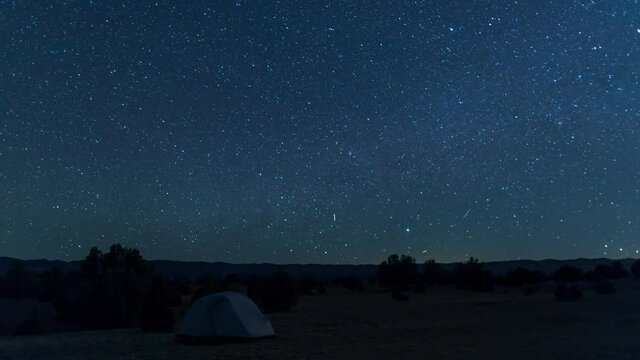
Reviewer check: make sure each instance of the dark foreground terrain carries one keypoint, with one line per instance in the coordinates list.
(443, 323)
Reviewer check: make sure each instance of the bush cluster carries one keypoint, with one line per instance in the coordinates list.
(111, 290)
(274, 293)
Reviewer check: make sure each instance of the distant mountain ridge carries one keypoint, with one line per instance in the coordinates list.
(193, 270)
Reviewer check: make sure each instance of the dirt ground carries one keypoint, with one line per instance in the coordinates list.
(444, 323)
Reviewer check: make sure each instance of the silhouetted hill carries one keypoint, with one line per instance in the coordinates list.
(194, 270)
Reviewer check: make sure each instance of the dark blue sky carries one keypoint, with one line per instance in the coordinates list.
(338, 132)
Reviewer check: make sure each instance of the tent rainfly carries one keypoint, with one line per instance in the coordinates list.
(227, 315)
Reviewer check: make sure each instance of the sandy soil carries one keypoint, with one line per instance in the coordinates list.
(445, 323)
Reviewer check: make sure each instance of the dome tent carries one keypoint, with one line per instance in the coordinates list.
(226, 315)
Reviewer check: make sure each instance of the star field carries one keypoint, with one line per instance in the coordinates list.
(336, 132)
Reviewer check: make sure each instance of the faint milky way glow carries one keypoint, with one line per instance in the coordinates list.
(339, 132)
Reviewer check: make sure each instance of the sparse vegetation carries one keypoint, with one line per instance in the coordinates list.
(397, 272)
(568, 273)
(350, 283)
(603, 286)
(613, 271)
(471, 275)
(522, 276)
(433, 273)
(274, 293)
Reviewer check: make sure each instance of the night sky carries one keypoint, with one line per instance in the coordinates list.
(309, 132)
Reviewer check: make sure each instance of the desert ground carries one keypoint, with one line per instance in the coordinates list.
(443, 323)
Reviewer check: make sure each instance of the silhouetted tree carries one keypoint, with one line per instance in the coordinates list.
(471, 275)
(113, 287)
(432, 273)
(398, 272)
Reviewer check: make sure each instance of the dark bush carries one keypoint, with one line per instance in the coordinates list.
(433, 274)
(567, 293)
(614, 271)
(635, 269)
(603, 286)
(274, 293)
(156, 314)
(420, 288)
(618, 271)
(471, 275)
(522, 276)
(397, 272)
(568, 273)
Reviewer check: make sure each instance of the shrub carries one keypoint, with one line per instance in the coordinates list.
(568, 273)
(603, 287)
(274, 293)
(471, 275)
(397, 272)
(522, 276)
(613, 271)
(434, 273)
(618, 271)
(567, 293)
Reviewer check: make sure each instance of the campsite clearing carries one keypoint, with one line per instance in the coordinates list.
(443, 323)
